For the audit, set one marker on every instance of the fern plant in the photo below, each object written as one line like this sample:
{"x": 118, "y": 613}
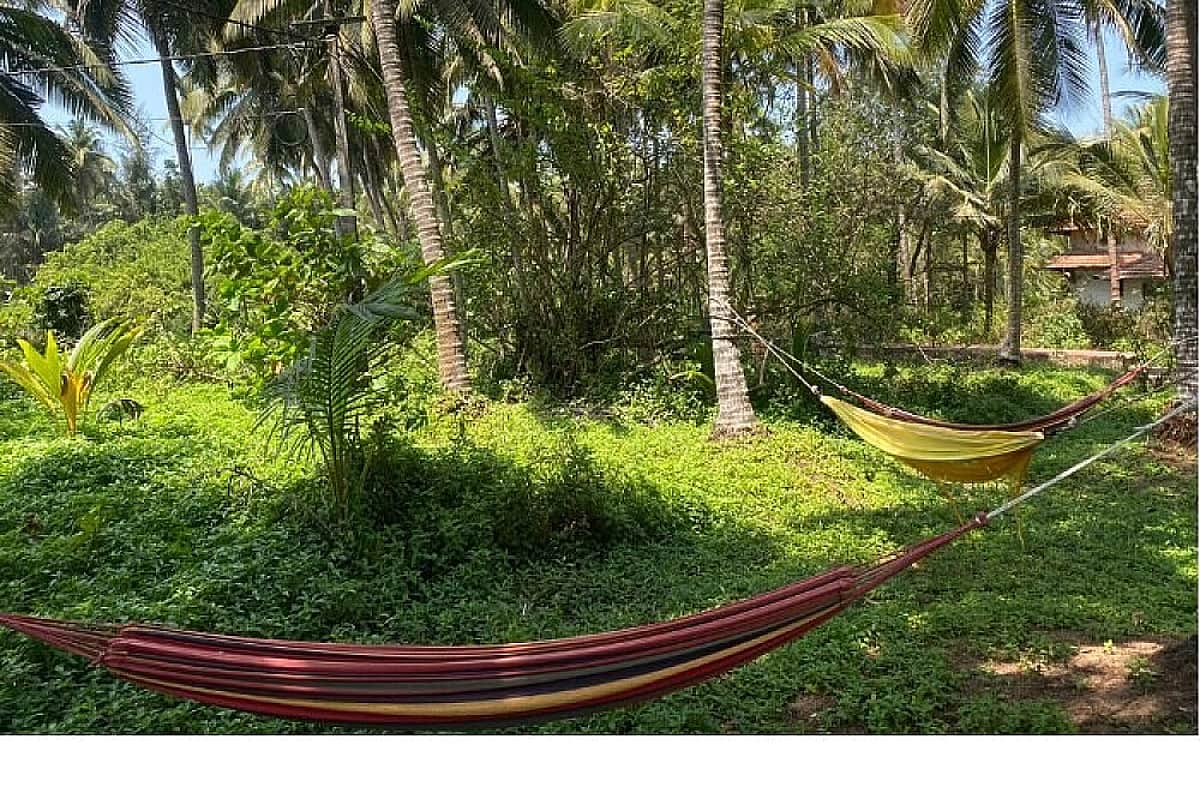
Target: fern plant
{"x": 63, "y": 382}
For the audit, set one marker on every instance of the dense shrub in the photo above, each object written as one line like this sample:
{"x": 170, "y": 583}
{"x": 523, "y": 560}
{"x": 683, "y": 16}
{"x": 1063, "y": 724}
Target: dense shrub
{"x": 137, "y": 272}
{"x": 1123, "y": 329}
{"x": 64, "y": 309}
{"x": 275, "y": 287}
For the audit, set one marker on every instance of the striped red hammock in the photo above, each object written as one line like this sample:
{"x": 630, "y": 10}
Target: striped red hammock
{"x": 466, "y": 686}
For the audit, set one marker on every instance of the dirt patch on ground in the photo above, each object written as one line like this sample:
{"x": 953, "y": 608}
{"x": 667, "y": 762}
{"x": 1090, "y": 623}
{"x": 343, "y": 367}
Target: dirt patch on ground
{"x": 1173, "y": 453}
{"x": 1146, "y": 685}
{"x": 805, "y": 710}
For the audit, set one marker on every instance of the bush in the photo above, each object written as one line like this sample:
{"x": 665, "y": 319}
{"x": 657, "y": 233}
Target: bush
{"x": 136, "y": 272}
{"x": 64, "y": 309}
{"x": 274, "y": 288}
{"x": 1122, "y": 329}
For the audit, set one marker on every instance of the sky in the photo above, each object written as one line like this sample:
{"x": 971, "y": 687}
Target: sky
{"x": 146, "y": 80}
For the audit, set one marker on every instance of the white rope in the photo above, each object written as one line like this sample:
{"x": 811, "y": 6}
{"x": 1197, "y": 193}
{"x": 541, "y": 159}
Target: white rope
{"x": 1083, "y": 464}
{"x": 781, "y": 355}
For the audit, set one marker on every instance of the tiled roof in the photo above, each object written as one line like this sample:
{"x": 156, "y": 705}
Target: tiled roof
{"x": 1133, "y": 264}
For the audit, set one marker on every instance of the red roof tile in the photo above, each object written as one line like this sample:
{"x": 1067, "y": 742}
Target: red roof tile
{"x": 1133, "y": 264}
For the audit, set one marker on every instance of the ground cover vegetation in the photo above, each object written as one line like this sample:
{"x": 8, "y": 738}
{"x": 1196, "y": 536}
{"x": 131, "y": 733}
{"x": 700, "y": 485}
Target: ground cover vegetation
{"x": 447, "y": 362}
{"x": 524, "y": 521}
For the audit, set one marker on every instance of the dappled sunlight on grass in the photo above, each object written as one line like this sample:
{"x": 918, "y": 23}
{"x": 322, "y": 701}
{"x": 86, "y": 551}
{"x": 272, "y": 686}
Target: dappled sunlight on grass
{"x": 514, "y": 523}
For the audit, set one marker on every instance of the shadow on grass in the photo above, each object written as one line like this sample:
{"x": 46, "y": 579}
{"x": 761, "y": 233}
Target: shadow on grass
{"x": 457, "y": 546}
{"x": 1099, "y": 562}
{"x": 463, "y": 545}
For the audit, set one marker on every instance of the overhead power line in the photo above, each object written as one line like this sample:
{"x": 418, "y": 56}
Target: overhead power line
{"x": 294, "y": 41}
{"x": 158, "y": 59}
{"x": 264, "y": 115}
{"x": 227, "y": 20}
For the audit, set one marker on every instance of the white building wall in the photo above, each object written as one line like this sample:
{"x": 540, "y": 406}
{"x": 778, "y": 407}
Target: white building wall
{"x": 1092, "y": 288}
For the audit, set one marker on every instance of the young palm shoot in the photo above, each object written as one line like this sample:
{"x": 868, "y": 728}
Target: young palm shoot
{"x": 64, "y": 384}
{"x": 319, "y": 402}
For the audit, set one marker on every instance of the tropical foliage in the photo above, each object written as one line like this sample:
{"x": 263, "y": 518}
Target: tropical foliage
{"x": 40, "y": 57}
{"x": 320, "y": 401}
{"x": 1125, "y": 181}
{"x": 323, "y": 399}
{"x": 470, "y": 268}
{"x": 64, "y": 382}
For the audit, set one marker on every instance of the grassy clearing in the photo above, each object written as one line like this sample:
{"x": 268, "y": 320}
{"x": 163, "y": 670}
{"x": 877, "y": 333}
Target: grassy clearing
{"x": 524, "y": 521}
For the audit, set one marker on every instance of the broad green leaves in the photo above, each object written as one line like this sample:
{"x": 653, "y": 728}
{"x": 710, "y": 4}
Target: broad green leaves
{"x": 63, "y": 382}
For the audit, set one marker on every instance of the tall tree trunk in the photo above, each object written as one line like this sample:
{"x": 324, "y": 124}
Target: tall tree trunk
{"x": 1181, "y": 84}
{"x": 186, "y": 177}
{"x": 966, "y": 295}
{"x": 989, "y": 243}
{"x": 734, "y": 413}
{"x": 438, "y": 180}
{"x": 371, "y": 189}
{"x": 347, "y": 225}
{"x": 903, "y": 254}
{"x": 1010, "y": 350}
{"x": 319, "y": 156}
{"x": 452, "y": 350}
{"x": 810, "y": 76}
{"x": 927, "y": 275}
{"x": 387, "y": 188}
{"x": 801, "y": 126}
{"x": 1114, "y": 266}
{"x": 506, "y": 198}
{"x": 801, "y": 122}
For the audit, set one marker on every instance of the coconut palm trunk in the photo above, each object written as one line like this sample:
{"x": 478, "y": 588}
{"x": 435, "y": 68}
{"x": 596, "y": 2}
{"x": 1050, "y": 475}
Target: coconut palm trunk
{"x": 452, "y": 351}
{"x": 347, "y": 225}
{"x": 1114, "y": 266}
{"x": 1010, "y": 350}
{"x": 989, "y": 243}
{"x": 801, "y": 122}
{"x": 903, "y": 251}
{"x": 734, "y": 413}
{"x": 186, "y": 176}
{"x": 801, "y": 126}
{"x": 320, "y": 158}
{"x": 1181, "y": 84}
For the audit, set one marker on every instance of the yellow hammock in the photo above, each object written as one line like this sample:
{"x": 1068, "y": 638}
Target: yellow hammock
{"x": 944, "y": 454}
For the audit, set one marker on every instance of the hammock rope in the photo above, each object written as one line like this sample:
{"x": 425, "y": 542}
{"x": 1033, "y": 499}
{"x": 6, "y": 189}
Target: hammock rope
{"x": 1049, "y": 424}
{"x": 467, "y": 686}
{"x": 943, "y": 451}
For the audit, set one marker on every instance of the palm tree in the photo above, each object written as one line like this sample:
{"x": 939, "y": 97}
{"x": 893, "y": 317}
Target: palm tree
{"x": 1034, "y": 61}
{"x": 735, "y": 416}
{"x": 753, "y": 31}
{"x": 474, "y": 27}
{"x": 319, "y": 83}
{"x": 172, "y": 28}
{"x": 1140, "y": 25}
{"x": 92, "y": 167}
{"x": 452, "y": 354}
{"x": 1181, "y": 83}
{"x": 967, "y": 172}
{"x": 40, "y": 58}
{"x": 1124, "y": 179}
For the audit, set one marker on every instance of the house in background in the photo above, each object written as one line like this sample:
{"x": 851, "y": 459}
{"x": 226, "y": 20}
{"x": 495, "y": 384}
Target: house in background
{"x": 1085, "y": 266}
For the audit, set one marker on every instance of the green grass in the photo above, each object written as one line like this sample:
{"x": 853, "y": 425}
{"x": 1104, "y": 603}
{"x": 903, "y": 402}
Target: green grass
{"x": 524, "y": 522}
